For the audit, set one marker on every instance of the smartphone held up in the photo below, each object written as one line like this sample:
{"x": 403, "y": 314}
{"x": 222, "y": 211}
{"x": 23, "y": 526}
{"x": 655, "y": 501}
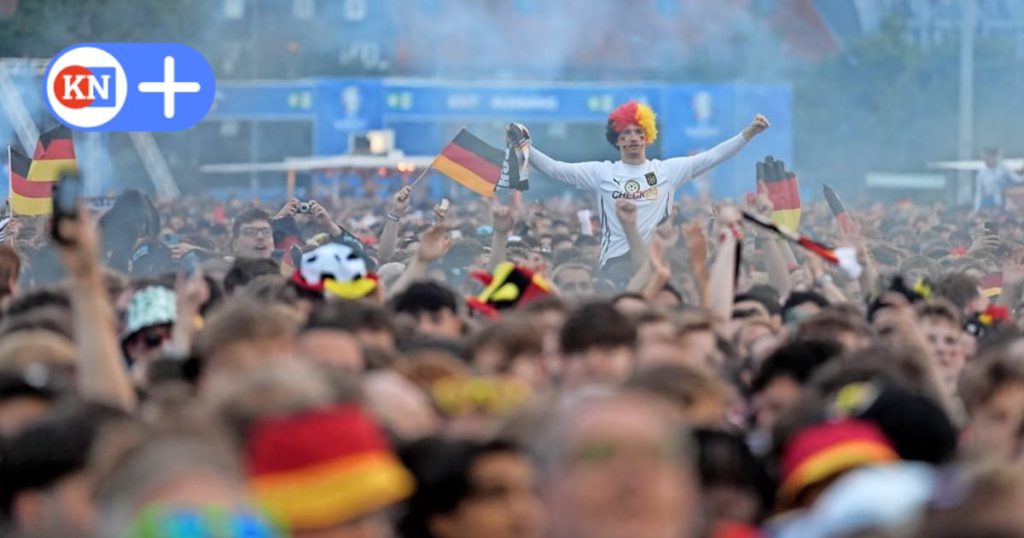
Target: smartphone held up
{"x": 67, "y": 196}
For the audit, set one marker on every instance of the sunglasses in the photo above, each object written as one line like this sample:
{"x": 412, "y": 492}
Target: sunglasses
{"x": 152, "y": 338}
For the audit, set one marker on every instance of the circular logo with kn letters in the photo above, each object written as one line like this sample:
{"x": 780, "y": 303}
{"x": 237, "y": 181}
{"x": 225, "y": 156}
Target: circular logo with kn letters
{"x": 86, "y": 86}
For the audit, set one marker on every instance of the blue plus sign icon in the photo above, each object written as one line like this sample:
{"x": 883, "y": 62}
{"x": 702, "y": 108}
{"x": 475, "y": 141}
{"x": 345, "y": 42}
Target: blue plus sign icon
{"x": 129, "y": 87}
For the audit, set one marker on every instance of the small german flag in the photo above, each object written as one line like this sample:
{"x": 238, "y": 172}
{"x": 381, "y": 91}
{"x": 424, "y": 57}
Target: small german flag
{"x": 783, "y": 189}
{"x": 27, "y": 197}
{"x": 471, "y": 162}
{"x": 846, "y": 224}
{"x": 31, "y": 180}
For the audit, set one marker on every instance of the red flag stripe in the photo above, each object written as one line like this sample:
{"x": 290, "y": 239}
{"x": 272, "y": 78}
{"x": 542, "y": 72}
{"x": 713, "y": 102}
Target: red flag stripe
{"x": 476, "y": 164}
{"x": 30, "y": 189}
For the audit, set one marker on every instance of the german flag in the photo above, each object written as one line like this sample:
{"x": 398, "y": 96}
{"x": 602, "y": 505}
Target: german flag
{"x": 324, "y": 467}
{"x": 846, "y": 224}
{"x": 471, "y": 162}
{"x": 31, "y": 180}
{"x": 54, "y": 155}
{"x": 783, "y": 189}
{"x": 27, "y": 197}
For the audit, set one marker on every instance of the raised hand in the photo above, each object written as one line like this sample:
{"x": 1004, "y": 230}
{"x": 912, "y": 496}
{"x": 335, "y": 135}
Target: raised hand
{"x": 757, "y": 126}
{"x": 502, "y": 218}
{"x": 323, "y": 217}
{"x": 433, "y": 243}
{"x": 626, "y": 211}
{"x": 290, "y": 209}
{"x": 400, "y": 201}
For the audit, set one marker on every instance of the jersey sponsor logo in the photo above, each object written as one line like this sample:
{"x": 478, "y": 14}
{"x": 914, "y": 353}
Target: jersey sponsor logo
{"x": 632, "y": 190}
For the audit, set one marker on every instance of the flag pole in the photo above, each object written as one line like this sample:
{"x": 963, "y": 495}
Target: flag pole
{"x": 419, "y": 177}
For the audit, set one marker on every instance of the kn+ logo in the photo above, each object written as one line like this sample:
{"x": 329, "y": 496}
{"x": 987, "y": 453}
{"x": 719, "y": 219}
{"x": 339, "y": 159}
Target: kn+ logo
{"x": 129, "y": 87}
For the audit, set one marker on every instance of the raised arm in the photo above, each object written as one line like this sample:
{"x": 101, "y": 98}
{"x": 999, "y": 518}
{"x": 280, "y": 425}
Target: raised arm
{"x": 389, "y": 235}
{"x": 433, "y": 245}
{"x": 579, "y": 175}
{"x": 702, "y": 162}
{"x": 102, "y": 376}
{"x": 626, "y": 212}
{"x": 502, "y": 221}
{"x": 722, "y": 281}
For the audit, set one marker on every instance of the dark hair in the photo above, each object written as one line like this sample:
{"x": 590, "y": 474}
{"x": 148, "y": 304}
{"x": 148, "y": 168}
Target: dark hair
{"x": 36, "y": 299}
{"x": 244, "y": 270}
{"x": 251, "y": 214}
{"x": 958, "y": 289}
{"x": 151, "y": 258}
{"x": 132, "y": 216}
{"x": 798, "y": 298}
{"x": 765, "y": 295}
{"x": 611, "y": 134}
{"x": 51, "y": 449}
{"x": 668, "y": 287}
{"x": 351, "y": 316}
{"x": 425, "y": 297}
{"x": 724, "y": 458}
{"x": 596, "y": 324}
{"x": 796, "y": 360}
{"x": 829, "y": 323}
{"x": 443, "y": 470}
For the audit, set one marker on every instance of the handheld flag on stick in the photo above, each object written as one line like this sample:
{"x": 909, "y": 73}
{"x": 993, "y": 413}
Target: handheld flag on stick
{"x": 844, "y": 257}
{"x": 783, "y": 189}
{"x": 27, "y": 197}
{"x": 846, "y": 224}
{"x": 471, "y": 162}
{"x": 31, "y": 180}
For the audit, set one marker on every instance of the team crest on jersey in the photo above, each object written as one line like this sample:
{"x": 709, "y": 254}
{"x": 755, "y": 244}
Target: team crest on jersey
{"x": 652, "y": 179}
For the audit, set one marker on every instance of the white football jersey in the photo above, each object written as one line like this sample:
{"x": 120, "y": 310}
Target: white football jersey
{"x": 651, "y": 186}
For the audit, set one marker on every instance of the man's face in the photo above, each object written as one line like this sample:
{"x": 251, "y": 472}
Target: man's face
{"x": 255, "y": 240}
{"x": 331, "y": 347}
{"x": 781, "y": 394}
{"x": 501, "y": 502}
{"x": 442, "y": 324}
{"x": 632, "y": 142}
{"x": 622, "y": 476}
{"x": 147, "y": 345}
{"x": 602, "y": 365}
{"x": 947, "y": 344}
{"x": 995, "y": 425}
{"x": 699, "y": 348}
{"x": 535, "y": 262}
{"x": 575, "y": 283}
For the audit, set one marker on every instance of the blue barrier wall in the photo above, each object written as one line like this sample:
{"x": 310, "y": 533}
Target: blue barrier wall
{"x": 692, "y": 117}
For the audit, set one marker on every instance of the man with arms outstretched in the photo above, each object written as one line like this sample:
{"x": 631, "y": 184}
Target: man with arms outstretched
{"x": 649, "y": 183}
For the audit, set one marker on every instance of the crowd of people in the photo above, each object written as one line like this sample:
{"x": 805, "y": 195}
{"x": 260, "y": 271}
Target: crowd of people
{"x": 335, "y": 368}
